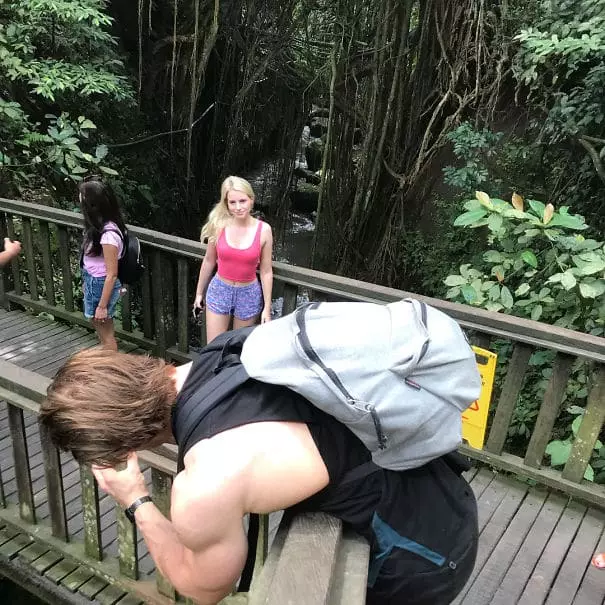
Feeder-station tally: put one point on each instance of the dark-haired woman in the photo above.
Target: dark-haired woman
(102, 247)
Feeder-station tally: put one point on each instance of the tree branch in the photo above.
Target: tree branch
(160, 134)
(594, 156)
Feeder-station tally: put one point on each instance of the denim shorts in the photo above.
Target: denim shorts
(93, 288)
(243, 302)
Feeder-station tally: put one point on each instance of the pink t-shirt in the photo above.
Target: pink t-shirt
(95, 265)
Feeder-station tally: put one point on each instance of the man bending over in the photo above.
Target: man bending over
(263, 449)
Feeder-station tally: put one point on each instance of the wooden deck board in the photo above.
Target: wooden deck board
(571, 572)
(535, 546)
(522, 566)
(505, 551)
(546, 571)
(592, 589)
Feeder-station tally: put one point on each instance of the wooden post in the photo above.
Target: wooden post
(508, 397)
(47, 263)
(549, 410)
(64, 256)
(589, 430)
(54, 485)
(2, 496)
(157, 294)
(90, 510)
(127, 545)
(184, 305)
(147, 298)
(15, 266)
(290, 294)
(170, 323)
(161, 484)
(126, 313)
(30, 258)
(481, 340)
(27, 509)
(4, 285)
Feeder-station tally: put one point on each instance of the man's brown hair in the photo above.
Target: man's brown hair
(103, 404)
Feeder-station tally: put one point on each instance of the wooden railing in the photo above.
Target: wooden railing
(156, 316)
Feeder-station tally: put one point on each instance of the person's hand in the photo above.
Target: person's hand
(126, 485)
(13, 248)
(198, 303)
(101, 313)
(265, 315)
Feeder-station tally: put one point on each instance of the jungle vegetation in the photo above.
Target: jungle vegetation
(423, 103)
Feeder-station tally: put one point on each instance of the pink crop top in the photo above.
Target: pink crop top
(238, 264)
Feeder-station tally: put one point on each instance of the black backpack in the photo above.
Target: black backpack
(130, 264)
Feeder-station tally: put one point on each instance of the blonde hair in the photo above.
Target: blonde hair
(219, 216)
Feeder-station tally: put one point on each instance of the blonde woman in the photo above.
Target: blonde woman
(238, 244)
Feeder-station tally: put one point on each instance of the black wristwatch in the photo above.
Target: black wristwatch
(129, 512)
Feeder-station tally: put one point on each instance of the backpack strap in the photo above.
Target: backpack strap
(455, 460)
(122, 237)
(206, 398)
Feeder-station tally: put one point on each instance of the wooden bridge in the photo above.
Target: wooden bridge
(67, 543)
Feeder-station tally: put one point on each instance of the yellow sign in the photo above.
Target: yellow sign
(474, 418)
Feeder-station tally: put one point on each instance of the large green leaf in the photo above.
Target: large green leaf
(568, 221)
(468, 218)
(596, 266)
(589, 473)
(108, 170)
(469, 293)
(530, 258)
(592, 288)
(506, 298)
(536, 312)
(575, 425)
(454, 280)
(568, 280)
(559, 452)
(101, 151)
(493, 256)
(537, 207)
(494, 222)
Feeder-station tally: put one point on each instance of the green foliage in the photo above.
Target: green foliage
(561, 60)
(58, 152)
(53, 48)
(475, 148)
(55, 54)
(538, 264)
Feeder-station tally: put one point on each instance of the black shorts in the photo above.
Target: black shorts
(424, 537)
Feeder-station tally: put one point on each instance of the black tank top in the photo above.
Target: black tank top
(339, 448)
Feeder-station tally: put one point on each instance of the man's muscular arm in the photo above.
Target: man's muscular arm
(203, 550)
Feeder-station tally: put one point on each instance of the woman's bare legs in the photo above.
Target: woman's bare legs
(215, 324)
(244, 323)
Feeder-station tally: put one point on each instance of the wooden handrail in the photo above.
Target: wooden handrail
(513, 328)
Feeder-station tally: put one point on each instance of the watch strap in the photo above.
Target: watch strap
(129, 512)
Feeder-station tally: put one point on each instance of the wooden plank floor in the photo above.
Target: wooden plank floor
(535, 546)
